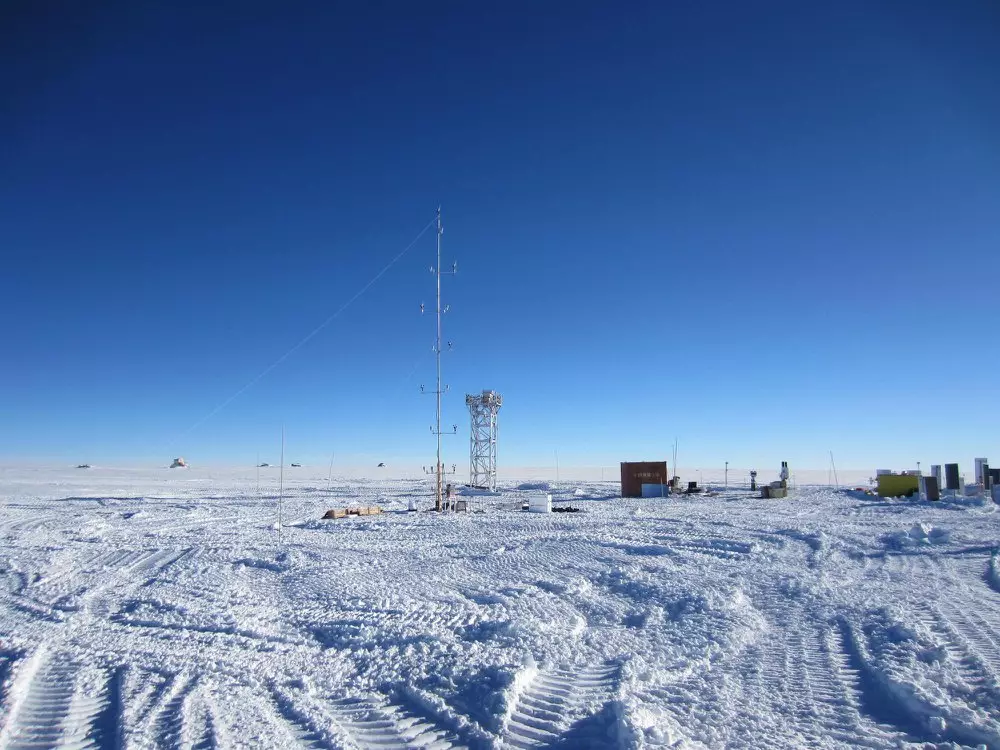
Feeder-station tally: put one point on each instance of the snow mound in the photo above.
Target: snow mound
(534, 486)
(993, 573)
(920, 534)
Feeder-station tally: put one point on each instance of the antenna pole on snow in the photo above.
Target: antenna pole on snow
(438, 391)
(329, 477)
(281, 480)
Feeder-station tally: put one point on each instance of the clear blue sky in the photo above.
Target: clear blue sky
(768, 228)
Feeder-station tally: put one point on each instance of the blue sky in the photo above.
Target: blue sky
(769, 230)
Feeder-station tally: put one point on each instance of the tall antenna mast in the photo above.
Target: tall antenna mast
(439, 311)
(281, 480)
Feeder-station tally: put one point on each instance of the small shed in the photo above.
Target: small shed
(637, 473)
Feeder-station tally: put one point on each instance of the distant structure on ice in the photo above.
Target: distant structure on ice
(83, 466)
(179, 463)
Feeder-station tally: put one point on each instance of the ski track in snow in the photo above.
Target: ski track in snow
(162, 612)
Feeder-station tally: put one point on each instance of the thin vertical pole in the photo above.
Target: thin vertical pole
(836, 481)
(281, 480)
(437, 352)
(329, 477)
(727, 475)
(557, 464)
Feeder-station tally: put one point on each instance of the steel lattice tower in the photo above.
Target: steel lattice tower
(483, 409)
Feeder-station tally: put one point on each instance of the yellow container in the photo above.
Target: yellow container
(897, 485)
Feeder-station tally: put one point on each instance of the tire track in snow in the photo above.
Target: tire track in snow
(844, 705)
(961, 612)
(947, 635)
(55, 710)
(802, 669)
(980, 569)
(108, 728)
(540, 554)
(141, 569)
(247, 713)
(15, 596)
(551, 707)
(45, 690)
(166, 724)
(156, 525)
(371, 726)
(179, 717)
(721, 548)
(693, 712)
(116, 572)
(390, 616)
(8, 660)
(433, 718)
(357, 723)
(981, 635)
(419, 731)
(305, 730)
(761, 668)
(200, 728)
(145, 690)
(33, 522)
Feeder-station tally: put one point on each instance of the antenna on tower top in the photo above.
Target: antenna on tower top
(438, 470)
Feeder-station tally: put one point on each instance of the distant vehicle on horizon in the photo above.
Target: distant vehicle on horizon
(297, 466)
(263, 465)
(83, 466)
(381, 466)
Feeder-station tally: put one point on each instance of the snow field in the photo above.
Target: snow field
(161, 611)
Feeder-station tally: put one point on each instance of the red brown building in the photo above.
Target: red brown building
(637, 473)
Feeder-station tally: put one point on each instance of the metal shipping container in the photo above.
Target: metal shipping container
(951, 477)
(637, 473)
(980, 463)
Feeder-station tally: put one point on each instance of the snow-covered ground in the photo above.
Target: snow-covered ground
(159, 609)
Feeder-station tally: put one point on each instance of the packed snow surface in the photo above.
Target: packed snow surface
(161, 609)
